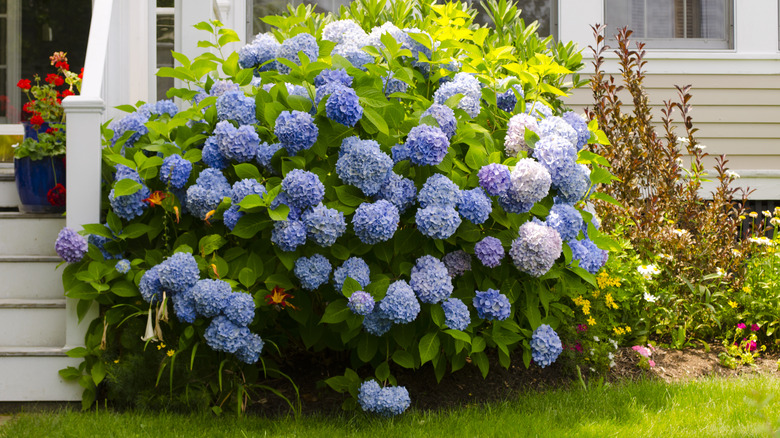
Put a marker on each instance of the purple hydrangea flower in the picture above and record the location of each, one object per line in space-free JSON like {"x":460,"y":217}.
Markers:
{"x":440,"y":191}
{"x":288,"y":235}
{"x":70,"y":245}
{"x":343,"y":106}
{"x":296,"y":131}
{"x":554,"y":125}
{"x":364,"y":166}
{"x":574,"y":185}
{"x":580,"y":125}
{"x":508,"y":99}
{"x":557,"y":155}
{"x":474,"y":205}
{"x":324,"y":225}
{"x":355,"y":268}
{"x":223,"y":86}
{"x":425,"y":145}
{"x":489,"y":251}
{"x":437,"y":222}
{"x":263,"y":49}
{"x":545,"y":345}
{"x":457,"y":262}
{"x":398,"y":190}
{"x":303,"y":188}
{"x":445,"y":118}
{"x":431,"y":280}
{"x":244,"y":188}
{"x":312,"y":271}
{"x":456,"y":314}
{"x":536,"y":248}
{"x":212,"y":157}
{"x":377,"y":222}
{"x":303,"y":42}
{"x":529,"y":182}
{"x":468,"y":86}
{"x":361,"y":303}
{"x":566,"y":220}
{"x":400,"y":305}
{"x":514,"y":142}
{"x":338,"y":75}
{"x":492,"y":305}
{"x":376,"y":323}
{"x":591,"y":257}
{"x":494,"y":178}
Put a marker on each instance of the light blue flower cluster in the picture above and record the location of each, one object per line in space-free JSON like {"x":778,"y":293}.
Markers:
{"x":122,"y":266}
{"x":354,"y":53}
{"x":445,"y":118}
{"x":418,"y":49}
{"x":489,"y":251}
{"x":494,"y":178}
{"x":374,"y":38}
{"x":324,"y":225}
{"x":438,"y":190}
{"x":313,"y":271}
{"x":545,"y":345}
{"x":211,"y":297}
{"x":350,"y":39}
{"x":362,"y":164}
{"x":398,"y":190}
{"x":400,"y":305}
{"x":475,"y":206}
{"x":355,"y":268}
{"x":529,"y":182}
{"x":342,"y":31}
{"x":70,"y":245}
{"x":303,"y":188}
{"x":580,"y":125}
{"x":129,"y":206}
{"x":514,"y":141}
{"x":240,"y":308}
{"x":265,"y":152}
{"x":468,"y":86}
{"x":178,"y":272}
{"x":386,"y":402}
{"x":175,"y":171}
{"x":343,"y":106}
{"x":425,"y":145}
{"x":574,"y":186}
{"x":235,"y":105}
{"x":211,"y":156}
{"x":303,"y":42}
{"x":149,"y":286}
{"x":158,"y":108}
{"x":392,"y":85}
{"x":492,"y":305}
{"x":288,"y":235}
{"x":207,"y":192}
{"x":437,"y":222}
{"x":251,"y":348}
{"x":538,"y":110}
{"x":223,"y":335}
{"x":566,"y":220}
{"x":231,"y":216}
{"x":133,"y":122}
{"x":536,"y":248}
{"x":456,"y":314}
{"x":508,"y":99}
{"x":282,"y":199}
{"x":338,"y":75}
{"x":431,"y":280}
{"x":555,"y":125}
{"x":361,"y":303}
{"x":184,"y":307}
{"x":263,"y":49}
{"x":458,"y":262}
{"x":376,"y":323}
{"x":375,"y":222}
{"x":591,"y":257}
{"x":244,"y":188}
{"x":296,"y":131}
{"x":557,"y":155}
{"x":236,"y":144}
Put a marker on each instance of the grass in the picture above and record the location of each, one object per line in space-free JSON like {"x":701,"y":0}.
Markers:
{"x":740,"y":407}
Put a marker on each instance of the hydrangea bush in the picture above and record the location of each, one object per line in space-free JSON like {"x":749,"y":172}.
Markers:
{"x":341,"y":185}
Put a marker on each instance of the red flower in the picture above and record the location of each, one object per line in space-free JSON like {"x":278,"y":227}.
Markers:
{"x":155,"y":198}
{"x":36,"y":120}
{"x":67,"y":93}
{"x":55,"y":79}
{"x":24,"y":84}
{"x":63,"y":65}
{"x":278,"y":298}
{"x":27,"y":107}
{"x":56,"y":196}
{"x":81,"y":75}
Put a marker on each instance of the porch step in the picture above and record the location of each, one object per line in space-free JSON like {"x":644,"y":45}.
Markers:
{"x":29,"y":234}
{"x":9,"y":197}
{"x":32,"y":374}
{"x":32,"y":323}
{"x":30,"y":277}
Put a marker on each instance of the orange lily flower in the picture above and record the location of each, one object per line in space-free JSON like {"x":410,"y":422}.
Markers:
{"x":278,"y":297}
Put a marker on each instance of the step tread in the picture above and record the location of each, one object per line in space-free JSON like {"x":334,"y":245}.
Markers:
{"x":20,"y":303}
{"x":32,"y":351}
{"x":29,"y":259}
{"x":19,"y":215}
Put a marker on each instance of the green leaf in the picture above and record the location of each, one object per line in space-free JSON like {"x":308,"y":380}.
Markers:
{"x":403,"y":358}
{"x":376,"y":120}
{"x":367,"y":346}
{"x":125,"y":187}
{"x":77,"y":352}
{"x":247,"y":171}
{"x":247,"y":277}
{"x":478,"y":344}
{"x":280,"y":213}
{"x":382,"y":371}
{"x":249,"y":225}
{"x":437,"y":316}
{"x":98,"y":372}
{"x":124,"y":288}
{"x":606,"y":198}
{"x":338,"y":383}
{"x":482,"y":363}
{"x":209,"y":244}
{"x":459,"y":335}
{"x":336,"y":312}
{"x":429,"y":347}
{"x":349,"y":195}
{"x":350,"y":286}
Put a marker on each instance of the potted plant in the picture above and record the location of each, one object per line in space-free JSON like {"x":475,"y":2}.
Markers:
{"x":39,"y":161}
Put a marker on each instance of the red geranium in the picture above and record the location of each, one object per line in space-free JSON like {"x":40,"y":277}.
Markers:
{"x":63,"y":65}
{"x":56,"y":196}
{"x":67,"y":93}
{"x":36,"y":120}
{"x":24,"y":84}
{"x":55,"y":79}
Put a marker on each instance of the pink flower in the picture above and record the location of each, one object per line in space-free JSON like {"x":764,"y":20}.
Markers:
{"x":644,"y":351}
{"x":741,"y":326}
{"x":755,"y":327}
{"x":651,"y":362}
{"x":582,"y":327}
{"x":751,"y":346}
{"x":578,"y":347}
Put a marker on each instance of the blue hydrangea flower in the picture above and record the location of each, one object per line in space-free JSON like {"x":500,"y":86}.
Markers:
{"x":165,"y":106}
{"x":303,"y":188}
{"x":184,"y":307}
{"x":425,"y":145}
{"x":100,"y":242}
{"x":392,"y":85}
{"x":238,"y":144}
{"x":343,"y":106}
{"x":444,"y":116}
{"x":223,"y":335}
{"x":70,"y":245}
{"x":529,"y":182}
{"x":235,"y":105}
{"x":240,"y":308}
{"x":557,"y":155}
{"x":377,"y":222}
{"x":361,"y":303}
{"x":355,"y":268}
{"x":545,"y":345}
{"x":494,"y":178}
{"x":313,"y":271}
{"x":386,"y":402}
{"x":211,"y":156}
{"x":468,"y":86}
{"x":338,"y":75}
{"x":398,"y":190}
{"x":376,"y":323}
{"x":303,"y":42}
{"x":207,"y":192}
{"x":246,"y":187}
{"x":325,"y":90}
{"x":536,"y":248}
{"x":124,"y":172}
{"x":580,"y":125}
{"x":566,"y":220}
{"x":492,"y":305}
{"x":150,"y":287}
{"x":457,"y":262}
{"x":250,"y":349}
{"x":231,"y":216}
{"x":437,"y":222}
{"x":508,"y":99}
{"x":178,"y":272}
{"x":213,"y":179}
{"x":364,"y":166}
{"x":129,"y":207}
{"x":133,"y":122}
{"x":288,"y":235}
{"x":456,"y":314}
{"x":122,"y":266}
{"x":400,"y":305}
{"x":211,"y":297}
{"x":574,"y":186}
{"x":555,"y":125}
{"x":296,"y":131}
{"x":343,"y":31}
{"x":514,"y":141}
{"x":475,"y":206}
{"x":374,"y":37}
{"x":223,"y":86}
{"x":262,"y":50}
{"x":489,"y":251}
{"x":354,"y":53}
{"x":175,"y":171}
{"x":431,"y":280}
{"x":324,"y":225}
{"x":265,"y":152}
{"x":440,"y":191}
{"x":591,"y":257}
{"x":282,"y":199}
{"x":512,"y":205}
{"x":538,"y":110}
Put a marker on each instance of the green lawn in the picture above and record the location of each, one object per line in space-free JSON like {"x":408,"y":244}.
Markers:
{"x":708,"y":408}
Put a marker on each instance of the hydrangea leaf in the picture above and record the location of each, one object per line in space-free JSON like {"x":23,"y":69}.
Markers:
{"x":336,"y":312}
{"x":429,"y":347}
{"x":403,"y":358}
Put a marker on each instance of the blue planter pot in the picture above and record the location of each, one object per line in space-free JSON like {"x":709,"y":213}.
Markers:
{"x":40,"y":183}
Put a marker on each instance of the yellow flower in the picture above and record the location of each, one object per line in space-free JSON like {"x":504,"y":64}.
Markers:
{"x":733,"y":304}
{"x":747,"y":289}
{"x":116,"y":361}
{"x":741,"y":217}
{"x":170,"y":353}
{"x":160,"y":346}
{"x":591,"y":321}
{"x":610,"y":301}
{"x":628,"y":329}
{"x":753,"y":214}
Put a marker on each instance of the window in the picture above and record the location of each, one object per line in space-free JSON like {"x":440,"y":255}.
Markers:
{"x":674,"y":24}
{"x":165,"y":35}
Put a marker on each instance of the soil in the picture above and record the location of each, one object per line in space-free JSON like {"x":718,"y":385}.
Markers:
{"x":467,"y":387}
